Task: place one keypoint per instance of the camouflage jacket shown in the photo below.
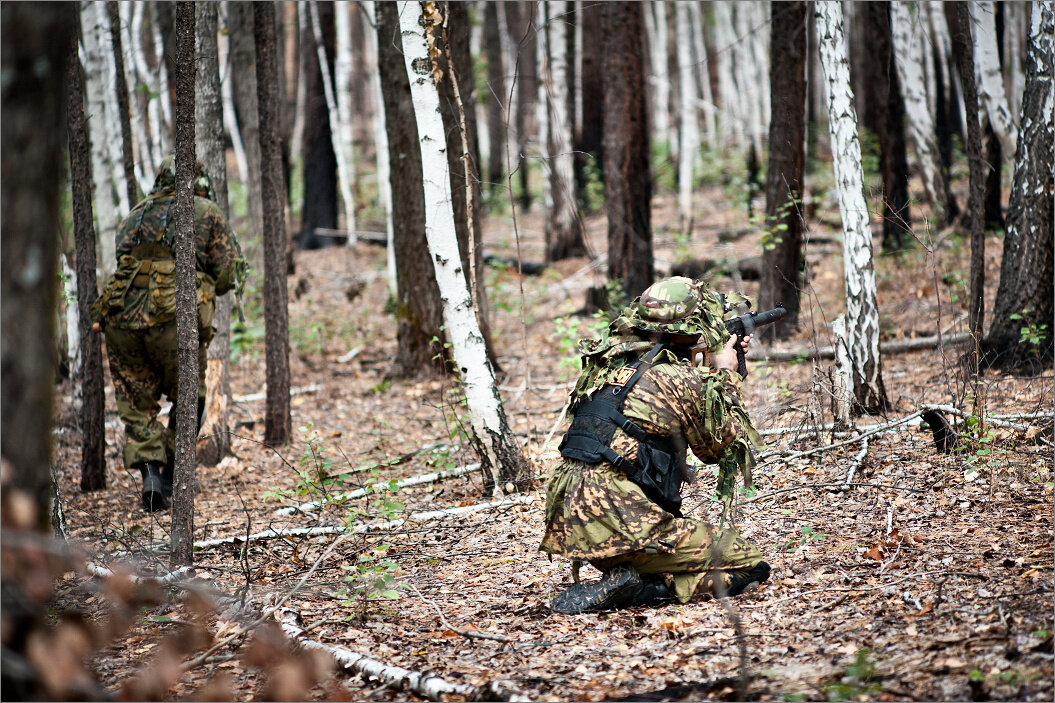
(142, 291)
(595, 512)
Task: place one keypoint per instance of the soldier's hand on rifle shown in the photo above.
(726, 358)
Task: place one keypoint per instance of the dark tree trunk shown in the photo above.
(959, 23)
(460, 63)
(34, 47)
(993, 207)
(93, 401)
(419, 314)
(287, 38)
(589, 145)
(186, 403)
(320, 163)
(243, 66)
(782, 257)
(277, 420)
(885, 115)
(1025, 298)
(521, 19)
(122, 104)
(208, 113)
(495, 99)
(942, 130)
(628, 176)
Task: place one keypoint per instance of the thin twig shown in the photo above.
(458, 630)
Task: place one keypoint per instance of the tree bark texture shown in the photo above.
(589, 141)
(959, 23)
(495, 99)
(1027, 269)
(33, 50)
(884, 114)
(911, 60)
(458, 109)
(319, 207)
(498, 449)
(862, 311)
(688, 125)
(208, 116)
(93, 400)
(564, 237)
(186, 403)
(419, 314)
(277, 419)
(985, 38)
(522, 23)
(346, 89)
(783, 263)
(121, 84)
(244, 69)
(628, 176)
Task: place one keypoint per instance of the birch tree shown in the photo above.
(688, 126)
(1024, 309)
(500, 455)
(564, 237)
(862, 311)
(703, 72)
(384, 182)
(988, 76)
(121, 94)
(89, 372)
(656, 27)
(911, 59)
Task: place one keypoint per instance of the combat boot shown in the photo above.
(153, 488)
(654, 592)
(166, 476)
(616, 589)
(749, 581)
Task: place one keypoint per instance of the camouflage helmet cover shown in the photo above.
(165, 182)
(678, 307)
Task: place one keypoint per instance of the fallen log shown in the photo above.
(889, 347)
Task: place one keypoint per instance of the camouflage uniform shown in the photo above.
(138, 308)
(595, 513)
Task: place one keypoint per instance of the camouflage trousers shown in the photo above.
(594, 513)
(144, 366)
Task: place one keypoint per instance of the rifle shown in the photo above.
(746, 324)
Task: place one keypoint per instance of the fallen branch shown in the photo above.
(395, 677)
(271, 533)
(172, 577)
(858, 458)
(261, 396)
(458, 630)
(360, 492)
(890, 347)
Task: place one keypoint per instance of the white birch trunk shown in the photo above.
(751, 87)
(73, 340)
(163, 128)
(296, 140)
(384, 182)
(656, 28)
(1015, 80)
(703, 70)
(576, 120)
(345, 117)
(140, 140)
(940, 36)
(553, 101)
(862, 313)
(990, 80)
(230, 120)
(99, 82)
(910, 59)
(541, 102)
(150, 154)
(723, 21)
(688, 128)
(492, 438)
(509, 54)
(476, 48)
(345, 165)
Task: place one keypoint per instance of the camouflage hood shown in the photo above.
(165, 181)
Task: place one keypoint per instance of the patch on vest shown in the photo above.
(624, 375)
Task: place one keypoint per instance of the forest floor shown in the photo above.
(928, 577)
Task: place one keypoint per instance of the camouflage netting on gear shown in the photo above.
(165, 181)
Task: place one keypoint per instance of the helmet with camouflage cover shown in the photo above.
(678, 308)
(165, 181)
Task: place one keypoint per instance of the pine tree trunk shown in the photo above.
(628, 176)
(34, 46)
(208, 116)
(564, 238)
(121, 86)
(910, 60)
(186, 403)
(1024, 309)
(783, 264)
(234, 33)
(988, 75)
(90, 376)
(277, 419)
(244, 70)
(522, 23)
(688, 127)
(862, 312)
(419, 315)
(495, 99)
(589, 145)
(959, 23)
(499, 452)
(320, 162)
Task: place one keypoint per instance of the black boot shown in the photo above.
(749, 581)
(167, 474)
(616, 589)
(153, 492)
(653, 592)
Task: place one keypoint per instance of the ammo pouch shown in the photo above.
(589, 438)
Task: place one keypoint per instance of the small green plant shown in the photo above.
(372, 577)
(1032, 333)
(858, 681)
(808, 535)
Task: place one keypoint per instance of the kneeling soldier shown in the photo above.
(640, 403)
